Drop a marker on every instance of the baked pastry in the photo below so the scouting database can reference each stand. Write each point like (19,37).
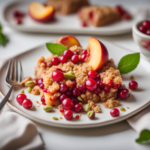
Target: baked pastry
(99,15)
(67,6)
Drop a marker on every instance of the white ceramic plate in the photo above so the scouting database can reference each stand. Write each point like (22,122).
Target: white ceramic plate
(137,101)
(64,24)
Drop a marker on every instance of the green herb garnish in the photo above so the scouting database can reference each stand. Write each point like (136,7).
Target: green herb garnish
(56,49)
(128,63)
(144,137)
(3,38)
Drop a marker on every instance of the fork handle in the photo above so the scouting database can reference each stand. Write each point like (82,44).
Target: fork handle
(4,100)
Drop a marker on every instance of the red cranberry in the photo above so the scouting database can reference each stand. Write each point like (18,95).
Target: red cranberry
(43,99)
(75,92)
(55,61)
(120,10)
(91,85)
(78,108)
(43,103)
(63,88)
(142,29)
(57,76)
(91,14)
(41,86)
(52,98)
(148,32)
(68,53)
(116,86)
(98,76)
(120,88)
(18,14)
(58,69)
(111,85)
(79,92)
(126,16)
(19,21)
(63,59)
(92,74)
(101,84)
(83,24)
(146,24)
(133,85)
(114,112)
(20,98)
(44,64)
(67,104)
(68,115)
(75,59)
(77,116)
(62,97)
(27,104)
(71,88)
(97,91)
(124,94)
(69,93)
(82,87)
(85,51)
(75,101)
(39,81)
(46,91)
(61,110)
(106,88)
(74,83)
(75,53)
(83,57)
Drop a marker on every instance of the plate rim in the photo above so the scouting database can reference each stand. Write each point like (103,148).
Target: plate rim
(64,31)
(64,125)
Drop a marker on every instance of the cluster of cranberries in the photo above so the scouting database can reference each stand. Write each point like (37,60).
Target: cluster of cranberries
(73,56)
(123,94)
(145,27)
(124,14)
(18,16)
(22,100)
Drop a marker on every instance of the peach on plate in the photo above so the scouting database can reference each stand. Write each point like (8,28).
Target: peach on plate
(98,54)
(40,12)
(68,41)
(49,102)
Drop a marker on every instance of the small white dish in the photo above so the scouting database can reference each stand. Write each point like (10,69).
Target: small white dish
(69,24)
(142,40)
(137,101)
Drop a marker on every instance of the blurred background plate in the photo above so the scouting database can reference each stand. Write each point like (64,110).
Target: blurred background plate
(69,24)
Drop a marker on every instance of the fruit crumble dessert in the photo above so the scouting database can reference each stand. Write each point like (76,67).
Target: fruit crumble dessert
(74,78)
(66,6)
(102,15)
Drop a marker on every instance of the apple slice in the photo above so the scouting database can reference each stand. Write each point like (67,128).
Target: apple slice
(98,54)
(49,102)
(40,12)
(68,41)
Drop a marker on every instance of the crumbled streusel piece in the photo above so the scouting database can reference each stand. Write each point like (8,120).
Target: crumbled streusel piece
(111,103)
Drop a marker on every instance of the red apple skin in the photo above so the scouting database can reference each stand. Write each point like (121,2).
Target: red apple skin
(98,54)
(46,19)
(68,41)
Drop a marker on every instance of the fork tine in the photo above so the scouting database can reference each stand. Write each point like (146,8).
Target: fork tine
(8,69)
(21,72)
(12,70)
(16,69)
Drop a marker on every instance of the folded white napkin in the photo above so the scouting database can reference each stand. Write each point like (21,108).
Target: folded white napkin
(140,121)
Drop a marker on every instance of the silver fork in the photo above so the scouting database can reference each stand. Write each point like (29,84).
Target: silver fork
(14,76)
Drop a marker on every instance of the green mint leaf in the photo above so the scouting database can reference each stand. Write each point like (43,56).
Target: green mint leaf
(144,137)
(3,39)
(0,28)
(56,49)
(128,63)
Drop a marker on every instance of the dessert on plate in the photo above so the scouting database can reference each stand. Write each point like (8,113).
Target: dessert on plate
(66,6)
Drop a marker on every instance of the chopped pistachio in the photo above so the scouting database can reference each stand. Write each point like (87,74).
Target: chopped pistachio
(22,91)
(69,75)
(90,113)
(55,118)
(48,108)
(86,107)
(122,109)
(30,83)
(79,98)
(29,89)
